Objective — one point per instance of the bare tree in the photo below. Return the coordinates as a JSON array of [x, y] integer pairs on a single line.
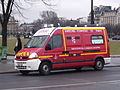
[[112, 29], [7, 7], [37, 24], [4, 18], [50, 17]]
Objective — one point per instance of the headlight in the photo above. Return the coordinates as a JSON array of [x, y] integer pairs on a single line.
[[33, 55], [15, 57]]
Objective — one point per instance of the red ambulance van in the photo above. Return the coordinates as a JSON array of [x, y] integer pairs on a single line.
[[64, 47]]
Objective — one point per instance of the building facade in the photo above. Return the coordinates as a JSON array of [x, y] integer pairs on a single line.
[[12, 26], [26, 28], [108, 18], [105, 15]]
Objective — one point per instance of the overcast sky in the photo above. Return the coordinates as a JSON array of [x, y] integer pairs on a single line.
[[71, 9]]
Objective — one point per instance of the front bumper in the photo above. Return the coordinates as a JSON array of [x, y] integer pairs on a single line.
[[29, 65]]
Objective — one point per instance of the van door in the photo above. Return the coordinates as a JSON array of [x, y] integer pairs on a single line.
[[74, 48], [54, 48], [93, 46]]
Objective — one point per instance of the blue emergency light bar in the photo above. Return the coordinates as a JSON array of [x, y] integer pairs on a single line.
[[91, 25]]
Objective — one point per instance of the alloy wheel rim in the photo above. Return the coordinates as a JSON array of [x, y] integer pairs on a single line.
[[45, 68], [99, 64]]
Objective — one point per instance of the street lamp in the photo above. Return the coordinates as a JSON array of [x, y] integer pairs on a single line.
[[92, 13]]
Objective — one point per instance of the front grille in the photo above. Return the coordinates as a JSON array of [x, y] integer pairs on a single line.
[[21, 67], [17, 57], [21, 63], [21, 57], [24, 57]]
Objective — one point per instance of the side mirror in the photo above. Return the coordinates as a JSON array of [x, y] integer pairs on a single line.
[[25, 46], [48, 47]]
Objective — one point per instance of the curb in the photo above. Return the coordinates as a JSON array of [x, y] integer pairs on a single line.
[[112, 66], [8, 72], [114, 56]]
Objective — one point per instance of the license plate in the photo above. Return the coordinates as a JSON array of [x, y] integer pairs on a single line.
[[20, 64]]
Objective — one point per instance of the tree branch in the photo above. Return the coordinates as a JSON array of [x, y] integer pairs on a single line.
[[46, 3], [1, 21], [10, 10], [18, 9], [9, 6], [3, 7]]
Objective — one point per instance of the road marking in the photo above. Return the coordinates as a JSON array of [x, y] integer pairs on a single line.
[[66, 85]]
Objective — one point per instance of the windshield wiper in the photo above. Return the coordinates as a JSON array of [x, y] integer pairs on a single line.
[[31, 47]]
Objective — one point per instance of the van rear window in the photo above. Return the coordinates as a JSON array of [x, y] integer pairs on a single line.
[[97, 39]]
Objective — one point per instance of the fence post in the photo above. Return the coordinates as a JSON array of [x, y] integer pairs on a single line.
[[3, 52], [0, 53]]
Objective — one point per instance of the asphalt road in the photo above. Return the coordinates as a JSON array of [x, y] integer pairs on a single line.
[[87, 79]]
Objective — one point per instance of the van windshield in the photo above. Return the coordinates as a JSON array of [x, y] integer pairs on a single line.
[[37, 41]]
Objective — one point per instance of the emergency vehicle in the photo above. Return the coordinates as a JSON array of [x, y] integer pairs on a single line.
[[64, 47]]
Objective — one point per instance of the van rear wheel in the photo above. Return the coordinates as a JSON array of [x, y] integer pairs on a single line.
[[45, 68], [99, 65]]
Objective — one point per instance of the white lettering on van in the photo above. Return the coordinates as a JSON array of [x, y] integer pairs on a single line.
[[70, 30], [44, 31], [81, 48], [98, 30], [83, 31]]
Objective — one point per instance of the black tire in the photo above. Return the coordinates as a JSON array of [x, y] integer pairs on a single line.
[[99, 65], [45, 68], [78, 68], [24, 72]]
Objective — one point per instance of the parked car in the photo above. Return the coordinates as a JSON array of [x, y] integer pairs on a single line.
[[117, 37], [27, 36]]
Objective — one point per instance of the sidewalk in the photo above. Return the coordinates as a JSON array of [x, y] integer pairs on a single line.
[[7, 66]]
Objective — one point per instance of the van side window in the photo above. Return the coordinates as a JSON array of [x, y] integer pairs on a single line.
[[97, 39], [75, 37], [69, 37], [55, 42]]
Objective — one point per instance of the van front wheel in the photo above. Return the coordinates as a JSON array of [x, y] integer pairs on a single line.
[[99, 65], [45, 68]]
